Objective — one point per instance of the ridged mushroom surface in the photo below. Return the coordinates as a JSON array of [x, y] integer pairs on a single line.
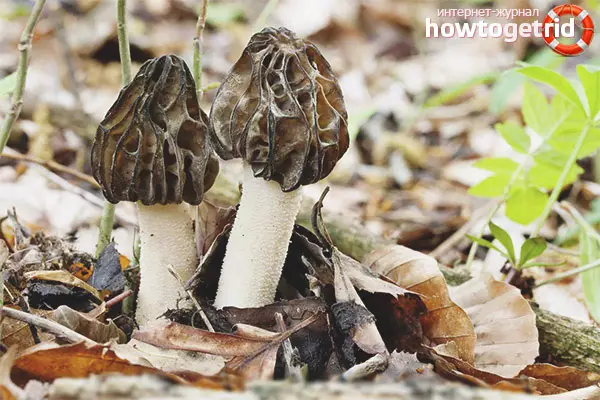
[[281, 110], [152, 145]]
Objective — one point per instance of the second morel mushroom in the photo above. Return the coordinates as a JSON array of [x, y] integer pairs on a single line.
[[151, 149], [281, 110]]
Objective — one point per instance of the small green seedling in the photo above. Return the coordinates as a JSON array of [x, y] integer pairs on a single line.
[[530, 249], [556, 134]]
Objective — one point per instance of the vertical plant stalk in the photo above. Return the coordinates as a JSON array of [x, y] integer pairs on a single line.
[[261, 21], [24, 49], [17, 98], [561, 180], [108, 212], [198, 40]]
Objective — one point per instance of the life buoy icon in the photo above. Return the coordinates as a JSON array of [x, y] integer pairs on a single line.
[[568, 49]]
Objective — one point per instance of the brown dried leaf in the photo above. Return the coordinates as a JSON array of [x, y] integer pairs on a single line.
[[4, 252], [568, 378], [507, 337], [64, 277], [458, 370], [88, 326], [445, 321], [212, 220], [253, 349], [47, 362]]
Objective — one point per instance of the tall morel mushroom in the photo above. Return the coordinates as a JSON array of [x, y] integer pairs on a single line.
[[152, 148], [281, 110]]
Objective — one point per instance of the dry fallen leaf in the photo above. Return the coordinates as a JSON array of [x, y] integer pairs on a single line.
[[507, 337], [212, 220], [568, 378], [88, 326], [445, 321], [47, 362], [253, 350], [64, 277]]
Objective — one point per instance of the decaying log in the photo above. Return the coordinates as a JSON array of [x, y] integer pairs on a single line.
[[564, 340], [115, 387]]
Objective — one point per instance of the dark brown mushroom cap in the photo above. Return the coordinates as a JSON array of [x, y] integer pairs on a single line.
[[281, 110], [153, 144]]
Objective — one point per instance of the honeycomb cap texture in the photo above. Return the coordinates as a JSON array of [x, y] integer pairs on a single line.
[[153, 144], [281, 110]]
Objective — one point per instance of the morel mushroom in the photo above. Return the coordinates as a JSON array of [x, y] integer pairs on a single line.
[[281, 110], [151, 149]]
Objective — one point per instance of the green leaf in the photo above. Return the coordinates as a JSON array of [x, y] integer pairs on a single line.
[[590, 79], [493, 186], [7, 84], [509, 82], [535, 108], [555, 80], [567, 135], [499, 165], [504, 238], [515, 136], [531, 248], [525, 204], [488, 244], [545, 175]]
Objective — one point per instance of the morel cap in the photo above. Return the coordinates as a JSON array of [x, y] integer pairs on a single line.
[[281, 110], [152, 145]]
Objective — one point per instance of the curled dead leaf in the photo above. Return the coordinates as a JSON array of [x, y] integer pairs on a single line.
[[507, 337], [64, 277], [419, 273], [88, 326]]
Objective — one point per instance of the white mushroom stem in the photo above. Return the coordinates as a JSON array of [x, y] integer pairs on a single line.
[[258, 243], [166, 237]]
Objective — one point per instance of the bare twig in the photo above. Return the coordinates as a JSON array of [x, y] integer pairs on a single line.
[[198, 39], [46, 324], [117, 299], [192, 298], [108, 212], [51, 165], [292, 367], [24, 49], [377, 363], [460, 234]]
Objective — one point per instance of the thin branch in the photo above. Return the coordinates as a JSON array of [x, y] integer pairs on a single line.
[[50, 326], [24, 49], [561, 180], [198, 40], [117, 299], [460, 233], [192, 298], [108, 211], [51, 165], [123, 36]]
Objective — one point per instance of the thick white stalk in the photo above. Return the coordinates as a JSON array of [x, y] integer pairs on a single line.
[[258, 243], [166, 237]]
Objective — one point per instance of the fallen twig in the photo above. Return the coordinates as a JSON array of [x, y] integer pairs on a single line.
[[51, 165], [117, 299], [192, 298], [50, 326]]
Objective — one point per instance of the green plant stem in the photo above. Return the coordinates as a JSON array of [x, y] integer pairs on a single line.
[[561, 181], [123, 36], [198, 39], [570, 272], [108, 212], [17, 97]]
